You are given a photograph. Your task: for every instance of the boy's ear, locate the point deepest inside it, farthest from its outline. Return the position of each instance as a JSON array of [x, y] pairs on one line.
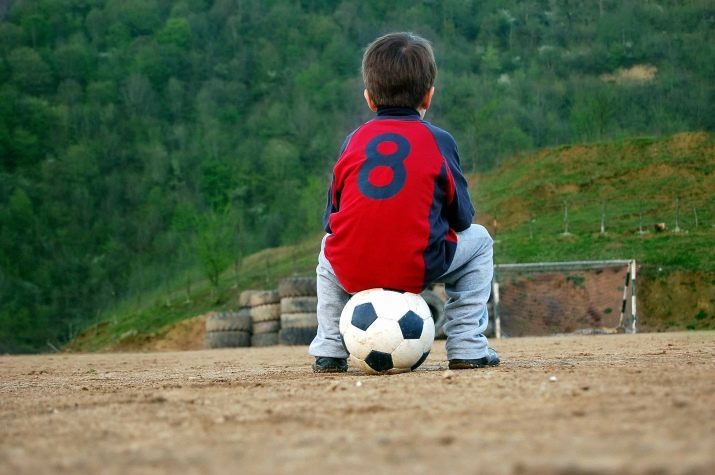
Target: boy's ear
[[427, 100], [370, 103]]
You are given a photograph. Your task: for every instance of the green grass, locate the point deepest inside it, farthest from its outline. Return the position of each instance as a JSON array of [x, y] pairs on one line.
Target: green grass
[[633, 184], [684, 251], [641, 181], [147, 317]]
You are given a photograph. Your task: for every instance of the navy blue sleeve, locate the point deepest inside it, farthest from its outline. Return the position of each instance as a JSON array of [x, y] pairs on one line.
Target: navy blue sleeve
[[333, 205], [460, 211], [330, 207]]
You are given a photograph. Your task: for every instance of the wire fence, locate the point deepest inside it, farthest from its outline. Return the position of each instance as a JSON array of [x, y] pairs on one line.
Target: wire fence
[[574, 216]]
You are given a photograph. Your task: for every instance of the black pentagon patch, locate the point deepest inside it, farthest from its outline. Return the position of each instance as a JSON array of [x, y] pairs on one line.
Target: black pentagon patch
[[411, 325], [363, 316], [379, 361], [420, 361]]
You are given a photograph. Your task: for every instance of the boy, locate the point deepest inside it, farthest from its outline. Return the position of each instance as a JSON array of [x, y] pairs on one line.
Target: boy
[[399, 215]]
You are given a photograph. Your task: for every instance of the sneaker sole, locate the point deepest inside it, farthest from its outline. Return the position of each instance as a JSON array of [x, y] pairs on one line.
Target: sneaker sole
[[329, 370], [471, 366]]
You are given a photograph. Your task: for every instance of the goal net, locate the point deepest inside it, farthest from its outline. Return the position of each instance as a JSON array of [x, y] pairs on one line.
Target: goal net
[[549, 298]]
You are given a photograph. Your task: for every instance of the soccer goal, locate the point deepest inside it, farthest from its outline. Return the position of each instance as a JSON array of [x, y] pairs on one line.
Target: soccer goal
[[578, 297]]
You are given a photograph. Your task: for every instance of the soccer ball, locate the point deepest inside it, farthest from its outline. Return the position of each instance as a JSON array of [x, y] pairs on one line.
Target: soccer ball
[[387, 331]]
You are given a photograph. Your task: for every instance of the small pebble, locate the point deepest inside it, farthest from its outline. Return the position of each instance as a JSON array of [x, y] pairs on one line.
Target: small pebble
[[446, 440], [553, 379], [449, 374], [358, 384]]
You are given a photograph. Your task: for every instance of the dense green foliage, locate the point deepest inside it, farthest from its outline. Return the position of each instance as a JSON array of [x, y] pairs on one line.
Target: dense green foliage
[[144, 140]]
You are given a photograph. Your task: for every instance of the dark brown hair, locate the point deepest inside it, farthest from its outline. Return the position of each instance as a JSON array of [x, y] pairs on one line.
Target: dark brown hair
[[398, 69]]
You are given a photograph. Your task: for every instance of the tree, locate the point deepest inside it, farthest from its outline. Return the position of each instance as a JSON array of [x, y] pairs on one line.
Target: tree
[[216, 235], [177, 32], [29, 71]]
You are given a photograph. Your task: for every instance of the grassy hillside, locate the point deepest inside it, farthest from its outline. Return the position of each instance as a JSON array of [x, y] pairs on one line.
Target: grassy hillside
[[631, 185], [641, 182], [137, 322]]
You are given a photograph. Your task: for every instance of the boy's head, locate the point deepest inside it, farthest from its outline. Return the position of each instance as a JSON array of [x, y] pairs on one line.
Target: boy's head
[[399, 70]]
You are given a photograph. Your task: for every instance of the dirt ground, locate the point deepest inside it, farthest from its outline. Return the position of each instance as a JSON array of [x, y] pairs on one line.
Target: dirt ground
[[615, 404]]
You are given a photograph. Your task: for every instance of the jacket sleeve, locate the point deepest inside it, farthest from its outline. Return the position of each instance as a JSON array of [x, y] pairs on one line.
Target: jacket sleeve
[[331, 207], [333, 201], [459, 210]]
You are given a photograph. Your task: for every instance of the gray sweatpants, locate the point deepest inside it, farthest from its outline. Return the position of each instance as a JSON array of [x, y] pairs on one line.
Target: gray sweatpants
[[467, 282]]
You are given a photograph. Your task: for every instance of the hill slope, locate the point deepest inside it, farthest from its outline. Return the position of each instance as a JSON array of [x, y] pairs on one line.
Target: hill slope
[[522, 204], [630, 185]]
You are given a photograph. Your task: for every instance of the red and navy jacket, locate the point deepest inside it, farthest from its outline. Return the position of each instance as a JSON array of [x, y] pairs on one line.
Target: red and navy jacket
[[397, 199]]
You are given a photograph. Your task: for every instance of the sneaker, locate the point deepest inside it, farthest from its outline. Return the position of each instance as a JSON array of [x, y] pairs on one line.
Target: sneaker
[[327, 364], [492, 359]]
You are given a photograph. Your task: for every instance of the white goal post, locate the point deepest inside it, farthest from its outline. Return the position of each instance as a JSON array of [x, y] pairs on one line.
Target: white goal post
[[527, 287]]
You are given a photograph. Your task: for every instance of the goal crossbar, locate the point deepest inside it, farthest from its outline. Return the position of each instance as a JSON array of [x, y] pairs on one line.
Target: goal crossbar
[[565, 265]]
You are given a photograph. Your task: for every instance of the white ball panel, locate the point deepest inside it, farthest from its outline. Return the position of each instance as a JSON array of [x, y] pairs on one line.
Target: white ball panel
[[345, 320], [357, 342], [407, 353], [384, 335], [368, 295], [389, 304], [427, 337], [418, 305]]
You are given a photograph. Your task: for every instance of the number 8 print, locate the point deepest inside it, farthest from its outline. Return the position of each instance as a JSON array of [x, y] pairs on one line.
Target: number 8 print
[[380, 155]]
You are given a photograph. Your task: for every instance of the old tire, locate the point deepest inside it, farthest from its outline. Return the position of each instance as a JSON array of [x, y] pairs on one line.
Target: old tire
[[297, 287], [263, 297], [299, 304], [244, 298], [228, 321], [297, 336], [264, 339], [436, 307], [270, 326], [227, 339], [299, 320], [264, 313]]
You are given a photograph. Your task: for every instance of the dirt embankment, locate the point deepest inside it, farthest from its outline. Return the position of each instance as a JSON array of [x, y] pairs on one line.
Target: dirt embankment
[[563, 302]]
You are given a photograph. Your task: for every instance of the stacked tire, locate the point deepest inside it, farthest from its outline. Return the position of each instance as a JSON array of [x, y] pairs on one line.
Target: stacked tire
[[228, 330], [265, 311], [299, 304]]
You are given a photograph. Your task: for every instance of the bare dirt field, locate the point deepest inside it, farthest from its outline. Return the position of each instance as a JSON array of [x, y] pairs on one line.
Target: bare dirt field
[[569, 405]]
